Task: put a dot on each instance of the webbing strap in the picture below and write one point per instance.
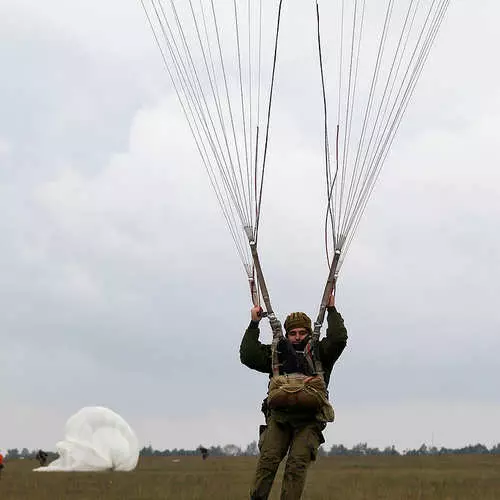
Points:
(329, 287)
(253, 291)
(327, 292)
(274, 354)
(273, 320)
(313, 348)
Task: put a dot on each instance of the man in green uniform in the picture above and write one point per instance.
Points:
(294, 430)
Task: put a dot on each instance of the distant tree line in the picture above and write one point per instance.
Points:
(360, 449)
(14, 453)
(232, 450)
(228, 450)
(363, 449)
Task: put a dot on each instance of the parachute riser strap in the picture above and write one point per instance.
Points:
(261, 281)
(253, 292)
(329, 287)
(260, 278)
(274, 322)
(317, 366)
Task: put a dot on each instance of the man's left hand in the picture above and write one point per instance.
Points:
(331, 302)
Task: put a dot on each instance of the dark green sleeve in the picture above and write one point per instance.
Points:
(253, 353)
(331, 347)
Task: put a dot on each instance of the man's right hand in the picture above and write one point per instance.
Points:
(256, 312)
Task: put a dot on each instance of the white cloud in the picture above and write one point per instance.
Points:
(92, 24)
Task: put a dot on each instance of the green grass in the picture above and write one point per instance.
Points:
(344, 478)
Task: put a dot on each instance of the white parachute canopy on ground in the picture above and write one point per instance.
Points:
(96, 439)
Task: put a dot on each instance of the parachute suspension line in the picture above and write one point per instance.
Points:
(330, 215)
(401, 102)
(192, 80)
(243, 116)
(387, 95)
(268, 120)
(213, 83)
(378, 121)
(216, 25)
(209, 78)
(250, 126)
(228, 180)
(195, 97)
(356, 175)
(381, 117)
(257, 132)
(408, 30)
(212, 77)
(351, 98)
(341, 59)
(329, 181)
(429, 40)
(227, 172)
(253, 234)
(227, 213)
(334, 189)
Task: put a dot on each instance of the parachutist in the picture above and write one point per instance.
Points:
(296, 408)
(204, 452)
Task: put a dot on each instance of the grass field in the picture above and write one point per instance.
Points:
(346, 478)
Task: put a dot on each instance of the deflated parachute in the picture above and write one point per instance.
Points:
(96, 439)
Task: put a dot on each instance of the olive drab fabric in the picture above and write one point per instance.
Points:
(257, 356)
(300, 391)
(301, 443)
(296, 407)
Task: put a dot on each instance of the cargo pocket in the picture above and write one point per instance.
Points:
(314, 441)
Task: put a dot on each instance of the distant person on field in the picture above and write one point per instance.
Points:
(42, 457)
(296, 407)
(204, 452)
(1, 465)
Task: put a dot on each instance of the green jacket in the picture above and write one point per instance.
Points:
(257, 356)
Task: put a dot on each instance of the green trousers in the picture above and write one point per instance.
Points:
(300, 442)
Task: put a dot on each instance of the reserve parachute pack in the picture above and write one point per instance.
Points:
(298, 382)
(295, 390)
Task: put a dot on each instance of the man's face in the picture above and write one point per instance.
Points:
(297, 335)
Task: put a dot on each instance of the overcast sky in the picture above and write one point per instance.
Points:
(121, 287)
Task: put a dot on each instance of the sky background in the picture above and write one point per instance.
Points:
(120, 285)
